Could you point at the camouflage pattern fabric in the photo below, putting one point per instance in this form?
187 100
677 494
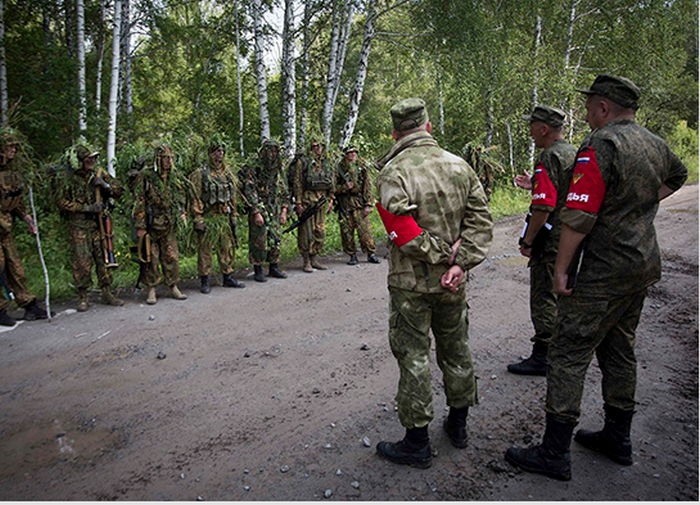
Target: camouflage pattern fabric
358 221
411 317
218 237
312 234
605 326
543 301
353 202
164 252
11 264
86 249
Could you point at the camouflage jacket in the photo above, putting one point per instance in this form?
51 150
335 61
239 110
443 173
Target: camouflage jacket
550 184
613 198
76 190
264 187
160 201
362 192
11 199
215 192
308 169
444 196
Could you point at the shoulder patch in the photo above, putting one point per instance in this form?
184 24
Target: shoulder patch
587 186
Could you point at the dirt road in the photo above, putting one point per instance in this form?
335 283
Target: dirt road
270 393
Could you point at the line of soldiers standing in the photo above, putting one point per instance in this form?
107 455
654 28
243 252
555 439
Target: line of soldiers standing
163 198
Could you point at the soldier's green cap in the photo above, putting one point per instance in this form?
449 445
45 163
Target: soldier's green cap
350 149
84 151
620 90
548 115
409 113
268 143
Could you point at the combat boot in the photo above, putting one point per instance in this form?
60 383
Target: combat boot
307 264
176 293
553 457
151 299
455 425
536 364
82 300
109 299
276 272
372 258
5 319
259 275
353 260
315 264
205 287
413 450
614 439
230 282
32 312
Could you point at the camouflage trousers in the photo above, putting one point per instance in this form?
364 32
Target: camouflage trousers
219 238
164 252
411 317
312 234
263 241
86 249
588 325
543 301
357 220
11 265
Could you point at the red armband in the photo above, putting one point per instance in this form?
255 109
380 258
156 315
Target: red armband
401 229
587 186
543 191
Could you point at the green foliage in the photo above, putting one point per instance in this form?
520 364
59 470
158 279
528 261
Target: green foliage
684 142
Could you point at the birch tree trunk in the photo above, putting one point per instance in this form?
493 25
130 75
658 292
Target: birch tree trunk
343 38
3 68
303 116
567 60
360 77
260 69
289 110
535 93
114 89
127 101
82 107
327 117
441 103
100 56
69 28
238 82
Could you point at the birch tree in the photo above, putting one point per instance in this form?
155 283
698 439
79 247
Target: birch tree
82 107
328 104
304 114
238 81
260 68
288 79
100 56
114 89
3 68
125 47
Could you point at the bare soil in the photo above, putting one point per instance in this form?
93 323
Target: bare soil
267 393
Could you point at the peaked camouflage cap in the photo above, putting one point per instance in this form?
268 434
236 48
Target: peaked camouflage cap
350 149
549 115
620 90
84 150
409 113
9 136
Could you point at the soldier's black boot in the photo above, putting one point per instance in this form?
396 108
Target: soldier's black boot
5 319
230 282
536 364
205 288
413 450
353 260
614 439
276 272
259 275
33 312
455 425
552 458
372 258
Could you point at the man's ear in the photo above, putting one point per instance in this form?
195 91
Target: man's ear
429 127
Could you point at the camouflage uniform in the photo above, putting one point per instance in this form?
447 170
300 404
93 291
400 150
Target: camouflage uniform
352 202
313 179
215 201
158 204
265 191
77 193
443 194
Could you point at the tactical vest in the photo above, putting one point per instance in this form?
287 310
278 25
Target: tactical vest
216 189
10 190
318 180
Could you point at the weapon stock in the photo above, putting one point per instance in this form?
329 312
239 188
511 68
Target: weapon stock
308 212
105 223
9 294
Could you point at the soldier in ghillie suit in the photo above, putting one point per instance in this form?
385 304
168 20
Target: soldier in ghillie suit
437 217
159 201
313 179
549 185
215 196
622 171
82 196
265 193
354 200
12 273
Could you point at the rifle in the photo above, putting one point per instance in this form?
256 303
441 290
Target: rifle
105 222
9 294
340 208
308 212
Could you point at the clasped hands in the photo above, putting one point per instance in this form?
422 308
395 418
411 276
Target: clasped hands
454 275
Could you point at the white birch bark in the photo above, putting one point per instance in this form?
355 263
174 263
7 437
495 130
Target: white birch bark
327 117
100 56
343 38
511 151
535 90
260 69
303 114
441 103
3 68
114 89
360 76
238 82
288 79
127 94
82 106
